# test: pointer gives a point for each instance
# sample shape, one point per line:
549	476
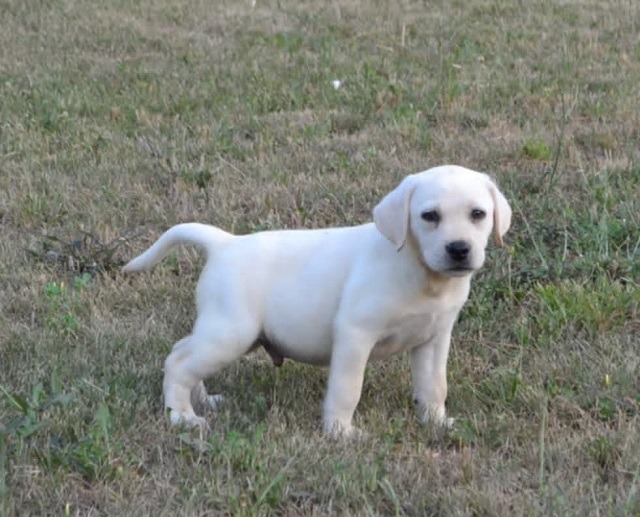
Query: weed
536	150
91	455
64	304
29	421
83	255
605	454
591	308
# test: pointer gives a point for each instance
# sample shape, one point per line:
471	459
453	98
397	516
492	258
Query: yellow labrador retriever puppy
339	296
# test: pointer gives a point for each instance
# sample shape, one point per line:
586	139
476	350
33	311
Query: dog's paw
215	401
436	416
355	434
343	432
188	421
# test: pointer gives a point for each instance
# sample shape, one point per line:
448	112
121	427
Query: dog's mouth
449	267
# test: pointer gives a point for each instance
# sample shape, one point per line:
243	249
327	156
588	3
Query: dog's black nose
458	250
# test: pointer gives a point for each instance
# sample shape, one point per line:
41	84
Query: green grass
120	119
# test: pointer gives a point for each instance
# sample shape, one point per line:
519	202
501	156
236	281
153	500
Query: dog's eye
431	216
477	214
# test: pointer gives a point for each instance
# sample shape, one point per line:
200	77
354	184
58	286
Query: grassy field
119	119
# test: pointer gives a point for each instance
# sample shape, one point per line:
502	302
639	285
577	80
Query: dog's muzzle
459	253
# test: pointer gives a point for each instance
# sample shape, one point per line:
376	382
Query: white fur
339	296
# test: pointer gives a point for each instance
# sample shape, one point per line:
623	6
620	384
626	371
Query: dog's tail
202	235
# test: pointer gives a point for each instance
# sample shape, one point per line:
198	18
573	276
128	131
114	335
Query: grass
120	119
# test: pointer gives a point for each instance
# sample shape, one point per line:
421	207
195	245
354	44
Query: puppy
340	296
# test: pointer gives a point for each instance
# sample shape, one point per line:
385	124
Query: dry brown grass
120	119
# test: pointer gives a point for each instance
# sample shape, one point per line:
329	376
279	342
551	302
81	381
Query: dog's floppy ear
501	213
391	215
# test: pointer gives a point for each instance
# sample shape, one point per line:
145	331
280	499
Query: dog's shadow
291	396
256	391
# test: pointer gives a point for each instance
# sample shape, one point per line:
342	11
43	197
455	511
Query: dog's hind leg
212	346
178	384
200	399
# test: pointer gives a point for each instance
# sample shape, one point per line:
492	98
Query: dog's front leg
349	358
429	373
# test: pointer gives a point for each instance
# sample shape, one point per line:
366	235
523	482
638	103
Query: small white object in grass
336	84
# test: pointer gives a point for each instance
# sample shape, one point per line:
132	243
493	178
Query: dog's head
449	213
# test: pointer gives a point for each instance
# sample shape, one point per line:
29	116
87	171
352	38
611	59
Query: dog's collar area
461	269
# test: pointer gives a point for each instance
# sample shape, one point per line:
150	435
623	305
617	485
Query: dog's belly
278	352
302	297
317	352
300	326
316	349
